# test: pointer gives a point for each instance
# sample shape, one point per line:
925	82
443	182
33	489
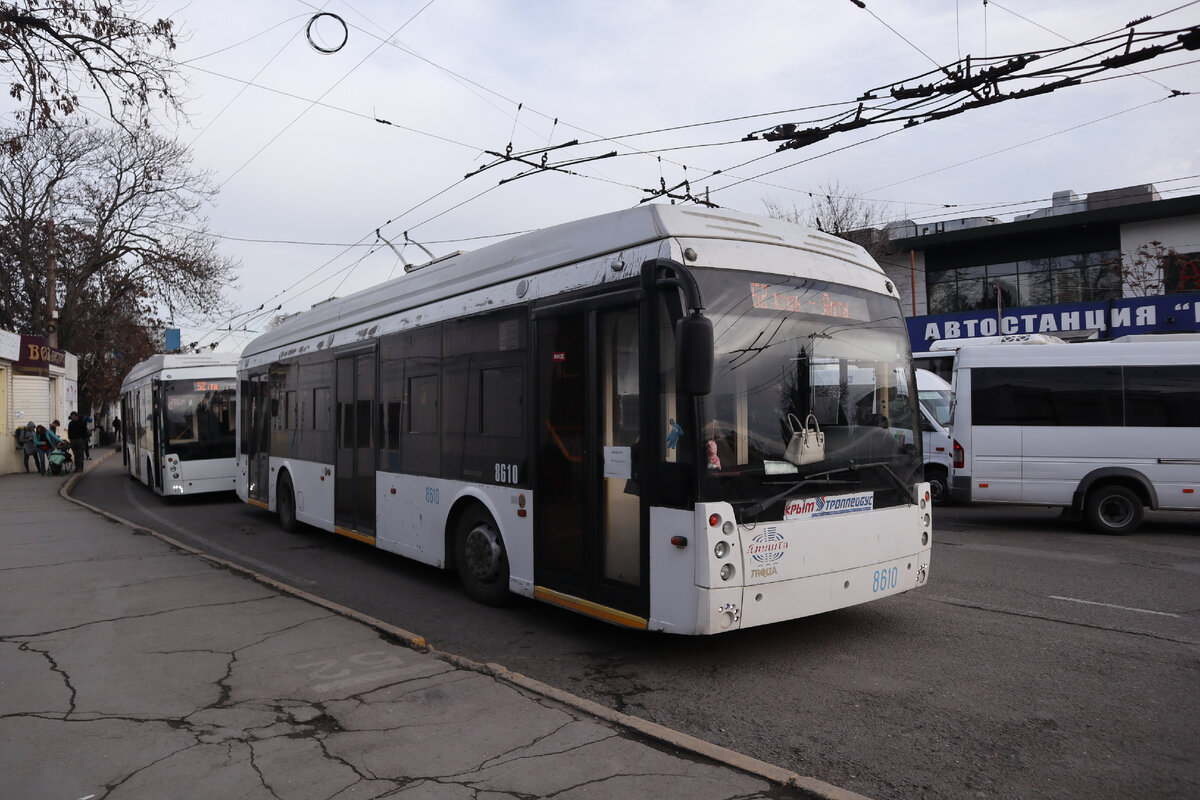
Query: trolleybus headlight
727	528
726	571
721	550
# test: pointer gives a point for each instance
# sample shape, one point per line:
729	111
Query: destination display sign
822	304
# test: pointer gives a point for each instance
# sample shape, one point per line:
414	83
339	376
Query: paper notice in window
618	462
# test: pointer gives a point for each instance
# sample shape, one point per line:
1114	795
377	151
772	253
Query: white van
1104	428
935	397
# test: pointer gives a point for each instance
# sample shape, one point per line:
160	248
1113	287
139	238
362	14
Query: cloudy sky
308	173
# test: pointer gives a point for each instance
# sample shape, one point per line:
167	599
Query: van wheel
285	504
1113	509
481	558
939	485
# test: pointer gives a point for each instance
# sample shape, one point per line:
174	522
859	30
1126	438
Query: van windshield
937	403
795	352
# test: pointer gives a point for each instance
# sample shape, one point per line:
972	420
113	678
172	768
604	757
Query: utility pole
52	278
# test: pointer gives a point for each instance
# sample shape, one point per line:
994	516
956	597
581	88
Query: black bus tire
481	557
939	485
285	504
1113	509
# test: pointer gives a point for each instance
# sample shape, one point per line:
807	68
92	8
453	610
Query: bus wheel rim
483	552
1116	511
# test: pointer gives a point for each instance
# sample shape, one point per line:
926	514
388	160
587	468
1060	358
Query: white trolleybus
599	415
180	423
1102	428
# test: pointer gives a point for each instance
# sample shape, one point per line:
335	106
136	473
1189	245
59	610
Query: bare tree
1143	272
53	49
111	225
842	212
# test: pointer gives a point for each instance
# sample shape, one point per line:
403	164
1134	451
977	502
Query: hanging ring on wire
319	48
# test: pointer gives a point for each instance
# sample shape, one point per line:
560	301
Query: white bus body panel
813	563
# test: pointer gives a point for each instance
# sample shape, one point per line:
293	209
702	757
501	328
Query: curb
808	786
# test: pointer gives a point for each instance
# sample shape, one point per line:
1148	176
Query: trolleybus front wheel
481	558
1111	508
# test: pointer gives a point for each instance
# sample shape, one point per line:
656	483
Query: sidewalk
134	668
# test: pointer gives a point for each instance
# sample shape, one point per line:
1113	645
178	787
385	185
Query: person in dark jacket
77	433
27	438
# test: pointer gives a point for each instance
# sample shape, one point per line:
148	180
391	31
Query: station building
1105	265
38	383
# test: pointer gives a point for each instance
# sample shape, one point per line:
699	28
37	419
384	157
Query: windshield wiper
757	508
893	478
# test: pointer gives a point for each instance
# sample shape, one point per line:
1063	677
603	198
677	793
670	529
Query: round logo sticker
768	546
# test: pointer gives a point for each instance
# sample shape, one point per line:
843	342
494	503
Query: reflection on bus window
199	422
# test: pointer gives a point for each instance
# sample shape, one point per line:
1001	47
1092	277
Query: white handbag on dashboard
808	444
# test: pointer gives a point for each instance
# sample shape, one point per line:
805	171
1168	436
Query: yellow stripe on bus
590	609
258	503
360	537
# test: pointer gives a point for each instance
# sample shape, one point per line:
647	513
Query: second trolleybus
180	422
599	414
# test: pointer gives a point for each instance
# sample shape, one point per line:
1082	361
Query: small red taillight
679	541
714	520
960	456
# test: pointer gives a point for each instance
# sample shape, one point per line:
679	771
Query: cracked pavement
130	668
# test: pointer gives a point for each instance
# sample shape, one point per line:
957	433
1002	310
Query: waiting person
27	438
52	435
41	440
87	440
77	433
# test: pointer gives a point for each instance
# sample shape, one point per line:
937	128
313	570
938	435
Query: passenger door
590	544
354	475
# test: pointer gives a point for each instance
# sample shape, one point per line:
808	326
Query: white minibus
934	397
1103	428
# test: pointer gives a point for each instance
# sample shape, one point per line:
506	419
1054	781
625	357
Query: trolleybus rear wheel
285	504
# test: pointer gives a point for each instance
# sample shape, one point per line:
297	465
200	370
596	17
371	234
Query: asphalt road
1040	661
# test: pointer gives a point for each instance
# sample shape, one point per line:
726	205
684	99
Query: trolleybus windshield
199	419
794	353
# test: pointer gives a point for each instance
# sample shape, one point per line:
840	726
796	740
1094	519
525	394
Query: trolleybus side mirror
694	353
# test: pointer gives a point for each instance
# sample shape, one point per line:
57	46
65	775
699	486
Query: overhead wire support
559	167
507	156
968	84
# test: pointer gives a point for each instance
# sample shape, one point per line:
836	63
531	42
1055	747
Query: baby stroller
59	461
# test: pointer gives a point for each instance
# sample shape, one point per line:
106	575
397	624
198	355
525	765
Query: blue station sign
1172	313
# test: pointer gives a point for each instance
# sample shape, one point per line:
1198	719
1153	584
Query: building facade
1106	265
38	384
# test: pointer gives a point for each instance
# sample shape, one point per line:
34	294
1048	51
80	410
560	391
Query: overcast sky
307	174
